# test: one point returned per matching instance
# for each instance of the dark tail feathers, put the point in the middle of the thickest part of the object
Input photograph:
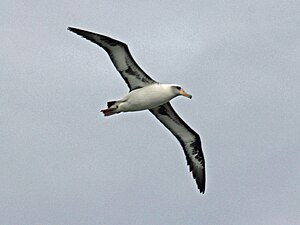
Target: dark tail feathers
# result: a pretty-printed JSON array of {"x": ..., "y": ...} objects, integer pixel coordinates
[{"x": 109, "y": 104}]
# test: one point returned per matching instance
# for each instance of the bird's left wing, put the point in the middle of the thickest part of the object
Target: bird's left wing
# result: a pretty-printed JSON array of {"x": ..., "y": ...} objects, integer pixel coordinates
[
  {"x": 120, "y": 55},
  {"x": 188, "y": 138}
]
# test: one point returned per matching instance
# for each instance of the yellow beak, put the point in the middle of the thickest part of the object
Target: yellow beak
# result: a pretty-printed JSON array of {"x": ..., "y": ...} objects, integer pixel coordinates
[{"x": 182, "y": 92}]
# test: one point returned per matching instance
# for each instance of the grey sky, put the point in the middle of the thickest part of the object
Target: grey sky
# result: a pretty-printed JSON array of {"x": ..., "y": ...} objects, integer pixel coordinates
[{"x": 64, "y": 163}]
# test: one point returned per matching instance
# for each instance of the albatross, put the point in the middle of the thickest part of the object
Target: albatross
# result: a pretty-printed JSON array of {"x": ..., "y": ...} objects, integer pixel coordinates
[{"x": 147, "y": 94}]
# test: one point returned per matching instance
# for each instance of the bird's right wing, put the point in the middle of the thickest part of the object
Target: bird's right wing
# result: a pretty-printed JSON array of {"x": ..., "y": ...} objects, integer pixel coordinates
[
  {"x": 120, "y": 55},
  {"x": 188, "y": 138}
]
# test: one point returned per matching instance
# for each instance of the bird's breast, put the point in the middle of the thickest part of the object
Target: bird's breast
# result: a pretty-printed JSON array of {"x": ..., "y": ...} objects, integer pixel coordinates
[{"x": 146, "y": 98}]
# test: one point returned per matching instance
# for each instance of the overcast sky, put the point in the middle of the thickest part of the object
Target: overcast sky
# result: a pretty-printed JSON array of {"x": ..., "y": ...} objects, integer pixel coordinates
[{"x": 62, "y": 162}]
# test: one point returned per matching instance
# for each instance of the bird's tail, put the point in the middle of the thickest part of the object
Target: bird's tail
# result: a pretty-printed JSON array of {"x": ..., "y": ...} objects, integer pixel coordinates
[
  {"x": 108, "y": 112},
  {"x": 111, "y": 108}
]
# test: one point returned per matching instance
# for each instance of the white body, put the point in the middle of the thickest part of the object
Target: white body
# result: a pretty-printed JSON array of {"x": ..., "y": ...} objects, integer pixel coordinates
[{"x": 146, "y": 98}]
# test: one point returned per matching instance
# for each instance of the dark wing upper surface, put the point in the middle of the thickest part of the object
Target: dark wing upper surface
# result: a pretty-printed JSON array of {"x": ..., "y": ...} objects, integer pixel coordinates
[
  {"x": 120, "y": 55},
  {"x": 188, "y": 138}
]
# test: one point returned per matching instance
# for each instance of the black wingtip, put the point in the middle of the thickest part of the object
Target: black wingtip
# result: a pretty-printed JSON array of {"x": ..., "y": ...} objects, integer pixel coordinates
[
  {"x": 200, "y": 180},
  {"x": 73, "y": 29},
  {"x": 201, "y": 185},
  {"x": 82, "y": 33},
  {"x": 78, "y": 31},
  {"x": 201, "y": 188}
]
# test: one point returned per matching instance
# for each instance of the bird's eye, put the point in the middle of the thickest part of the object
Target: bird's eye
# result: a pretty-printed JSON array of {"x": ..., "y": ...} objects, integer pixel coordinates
[{"x": 178, "y": 88}]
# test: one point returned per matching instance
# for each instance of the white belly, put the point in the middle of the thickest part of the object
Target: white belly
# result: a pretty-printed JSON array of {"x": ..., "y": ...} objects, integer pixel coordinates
[{"x": 146, "y": 98}]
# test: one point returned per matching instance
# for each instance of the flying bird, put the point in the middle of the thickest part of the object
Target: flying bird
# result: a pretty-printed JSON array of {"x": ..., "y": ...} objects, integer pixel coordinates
[{"x": 146, "y": 93}]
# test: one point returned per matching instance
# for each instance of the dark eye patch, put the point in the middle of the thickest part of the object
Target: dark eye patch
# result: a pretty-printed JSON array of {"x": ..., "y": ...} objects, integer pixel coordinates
[{"x": 177, "y": 87}]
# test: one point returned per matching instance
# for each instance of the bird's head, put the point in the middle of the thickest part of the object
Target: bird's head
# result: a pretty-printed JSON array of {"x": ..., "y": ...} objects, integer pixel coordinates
[{"x": 179, "y": 91}]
